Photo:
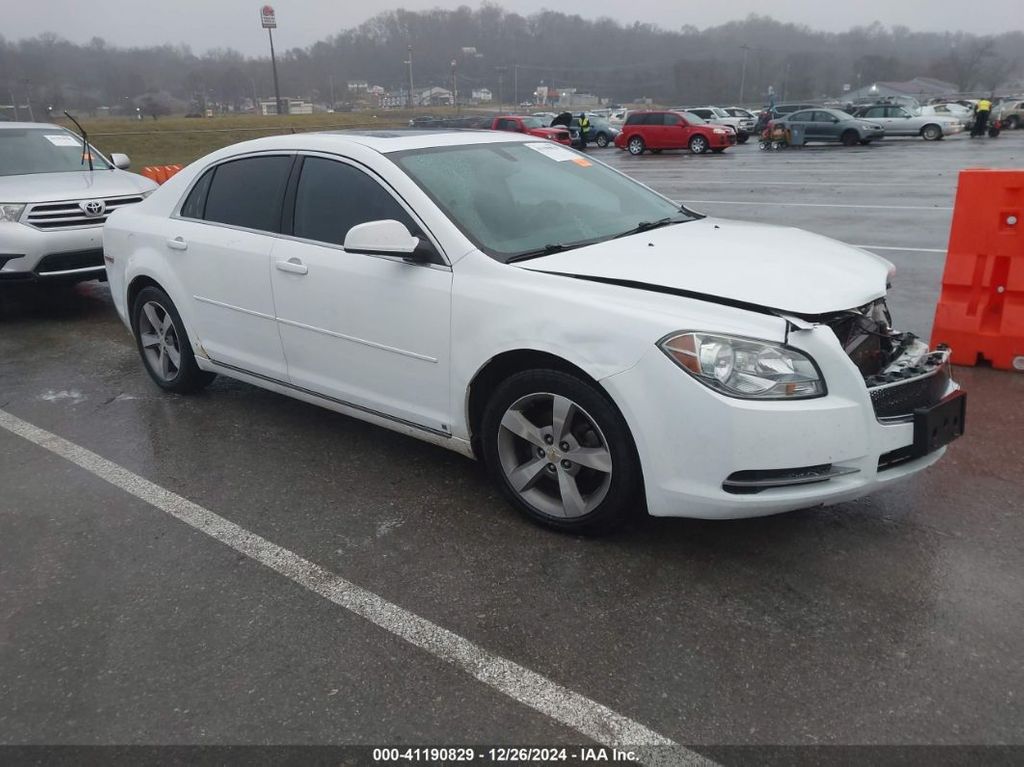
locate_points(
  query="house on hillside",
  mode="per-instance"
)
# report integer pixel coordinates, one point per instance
(920, 89)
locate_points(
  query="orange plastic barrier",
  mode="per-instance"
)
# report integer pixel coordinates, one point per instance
(980, 314)
(160, 173)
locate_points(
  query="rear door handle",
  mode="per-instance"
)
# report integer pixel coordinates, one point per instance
(292, 266)
(178, 243)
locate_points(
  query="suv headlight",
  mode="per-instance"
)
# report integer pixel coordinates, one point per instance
(11, 211)
(744, 367)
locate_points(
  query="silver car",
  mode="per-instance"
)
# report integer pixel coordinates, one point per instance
(55, 195)
(899, 121)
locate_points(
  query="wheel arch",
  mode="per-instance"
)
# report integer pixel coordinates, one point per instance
(136, 286)
(499, 367)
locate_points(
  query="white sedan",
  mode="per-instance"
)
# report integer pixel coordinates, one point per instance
(604, 351)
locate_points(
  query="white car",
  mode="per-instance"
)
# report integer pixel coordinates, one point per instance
(742, 126)
(958, 112)
(53, 205)
(603, 350)
(899, 121)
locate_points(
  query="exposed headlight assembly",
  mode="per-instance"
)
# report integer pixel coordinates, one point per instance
(11, 211)
(744, 367)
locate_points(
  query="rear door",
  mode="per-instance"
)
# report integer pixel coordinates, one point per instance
(219, 246)
(370, 331)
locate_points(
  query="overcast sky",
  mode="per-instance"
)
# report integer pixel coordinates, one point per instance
(205, 24)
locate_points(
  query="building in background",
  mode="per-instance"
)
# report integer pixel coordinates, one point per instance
(291, 107)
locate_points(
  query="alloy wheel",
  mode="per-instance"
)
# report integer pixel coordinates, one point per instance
(698, 144)
(554, 455)
(636, 146)
(159, 341)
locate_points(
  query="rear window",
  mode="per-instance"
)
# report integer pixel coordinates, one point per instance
(249, 192)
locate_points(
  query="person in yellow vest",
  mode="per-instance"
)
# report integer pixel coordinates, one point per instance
(981, 113)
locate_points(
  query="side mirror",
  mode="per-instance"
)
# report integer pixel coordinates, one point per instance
(121, 161)
(388, 238)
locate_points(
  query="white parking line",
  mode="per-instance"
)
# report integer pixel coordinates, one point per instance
(816, 205)
(572, 709)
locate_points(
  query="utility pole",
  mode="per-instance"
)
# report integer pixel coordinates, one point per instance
(330, 80)
(743, 74)
(455, 86)
(269, 21)
(515, 86)
(501, 81)
(14, 102)
(408, 62)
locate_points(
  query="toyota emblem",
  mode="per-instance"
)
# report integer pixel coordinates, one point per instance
(93, 208)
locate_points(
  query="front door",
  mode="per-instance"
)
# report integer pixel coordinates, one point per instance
(220, 246)
(365, 330)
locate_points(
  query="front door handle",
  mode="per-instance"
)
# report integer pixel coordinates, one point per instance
(178, 243)
(292, 266)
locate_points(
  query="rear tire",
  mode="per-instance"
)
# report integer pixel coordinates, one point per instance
(850, 138)
(698, 144)
(561, 452)
(636, 146)
(164, 345)
(741, 138)
(1012, 122)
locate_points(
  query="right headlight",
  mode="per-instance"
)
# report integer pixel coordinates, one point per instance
(744, 367)
(11, 211)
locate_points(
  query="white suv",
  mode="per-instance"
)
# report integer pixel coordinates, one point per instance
(52, 205)
(743, 126)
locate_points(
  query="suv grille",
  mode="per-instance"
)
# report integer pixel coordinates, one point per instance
(66, 215)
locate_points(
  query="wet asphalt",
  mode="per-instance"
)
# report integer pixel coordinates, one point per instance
(896, 619)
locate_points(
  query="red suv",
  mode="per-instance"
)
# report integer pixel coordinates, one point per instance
(672, 130)
(533, 126)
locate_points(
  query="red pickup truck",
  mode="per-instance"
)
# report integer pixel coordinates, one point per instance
(533, 126)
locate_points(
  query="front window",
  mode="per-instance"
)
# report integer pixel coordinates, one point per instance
(44, 150)
(517, 199)
(694, 119)
(533, 122)
(720, 112)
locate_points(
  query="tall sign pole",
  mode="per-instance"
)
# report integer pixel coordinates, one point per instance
(269, 21)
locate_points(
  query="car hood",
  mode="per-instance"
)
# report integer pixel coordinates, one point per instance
(766, 266)
(75, 185)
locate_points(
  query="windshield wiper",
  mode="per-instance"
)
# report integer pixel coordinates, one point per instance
(646, 226)
(547, 250)
(86, 151)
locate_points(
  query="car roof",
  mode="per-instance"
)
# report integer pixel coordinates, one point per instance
(24, 125)
(383, 141)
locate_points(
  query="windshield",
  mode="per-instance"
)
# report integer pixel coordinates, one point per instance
(721, 112)
(694, 119)
(533, 122)
(43, 150)
(512, 199)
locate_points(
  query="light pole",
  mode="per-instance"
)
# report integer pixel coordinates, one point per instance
(501, 82)
(269, 21)
(743, 73)
(408, 62)
(455, 87)
(515, 86)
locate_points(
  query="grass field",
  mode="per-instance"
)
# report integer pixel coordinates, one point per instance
(180, 140)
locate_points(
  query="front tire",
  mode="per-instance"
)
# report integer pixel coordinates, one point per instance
(931, 133)
(561, 452)
(850, 138)
(636, 146)
(601, 140)
(164, 345)
(1012, 122)
(698, 145)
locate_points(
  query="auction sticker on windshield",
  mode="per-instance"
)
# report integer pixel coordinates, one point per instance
(62, 140)
(556, 152)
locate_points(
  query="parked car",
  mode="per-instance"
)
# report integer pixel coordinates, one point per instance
(741, 112)
(618, 118)
(743, 126)
(656, 131)
(832, 125)
(1011, 113)
(898, 121)
(53, 203)
(758, 373)
(601, 132)
(780, 110)
(532, 126)
(958, 112)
